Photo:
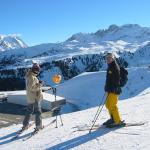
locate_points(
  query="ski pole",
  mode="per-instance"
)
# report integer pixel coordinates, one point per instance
(96, 119)
(99, 107)
(61, 119)
(54, 92)
(100, 110)
(56, 122)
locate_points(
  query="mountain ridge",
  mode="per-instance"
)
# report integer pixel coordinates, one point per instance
(8, 42)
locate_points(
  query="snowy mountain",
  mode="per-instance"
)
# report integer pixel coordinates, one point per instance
(8, 42)
(129, 33)
(116, 38)
(133, 109)
(82, 52)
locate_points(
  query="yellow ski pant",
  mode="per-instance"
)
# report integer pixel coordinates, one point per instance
(111, 105)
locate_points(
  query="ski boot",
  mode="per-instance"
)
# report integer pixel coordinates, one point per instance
(120, 124)
(109, 121)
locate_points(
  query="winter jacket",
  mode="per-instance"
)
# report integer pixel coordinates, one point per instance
(112, 84)
(33, 88)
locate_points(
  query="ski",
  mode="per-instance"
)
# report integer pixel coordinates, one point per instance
(125, 125)
(98, 127)
(87, 127)
(33, 133)
(21, 131)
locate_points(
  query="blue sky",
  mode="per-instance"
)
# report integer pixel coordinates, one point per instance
(46, 21)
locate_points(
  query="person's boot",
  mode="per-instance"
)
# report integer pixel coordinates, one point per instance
(37, 129)
(120, 124)
(23, 128)
(109, 121)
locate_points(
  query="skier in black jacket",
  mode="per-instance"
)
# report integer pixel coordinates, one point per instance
(113, 89)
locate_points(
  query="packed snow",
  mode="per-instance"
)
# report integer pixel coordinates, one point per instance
(134, 108)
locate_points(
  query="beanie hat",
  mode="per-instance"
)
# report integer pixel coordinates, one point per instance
(36, 68)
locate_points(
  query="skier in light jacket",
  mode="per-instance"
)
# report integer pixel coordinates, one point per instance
(34, 97)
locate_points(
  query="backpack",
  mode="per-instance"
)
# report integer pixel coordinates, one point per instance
(123, 76)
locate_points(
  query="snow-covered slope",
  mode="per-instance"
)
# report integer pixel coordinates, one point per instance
(64, 137)
(87, 89)
(8, 42)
